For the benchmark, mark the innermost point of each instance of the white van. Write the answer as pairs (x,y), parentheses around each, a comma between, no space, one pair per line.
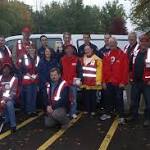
(77,40)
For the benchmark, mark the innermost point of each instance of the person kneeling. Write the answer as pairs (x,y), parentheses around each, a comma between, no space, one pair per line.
(57,92)
(8,88)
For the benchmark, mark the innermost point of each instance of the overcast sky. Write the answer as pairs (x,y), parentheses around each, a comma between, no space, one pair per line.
(126,4)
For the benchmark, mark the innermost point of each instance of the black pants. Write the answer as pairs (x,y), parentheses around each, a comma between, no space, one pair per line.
(89,98)
(113,99)
(137,89)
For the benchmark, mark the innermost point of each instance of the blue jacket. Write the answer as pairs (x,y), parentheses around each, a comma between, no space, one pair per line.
(103,51)
(43,70)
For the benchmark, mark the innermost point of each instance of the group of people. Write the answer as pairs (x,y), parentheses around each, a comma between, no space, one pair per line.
(57,75)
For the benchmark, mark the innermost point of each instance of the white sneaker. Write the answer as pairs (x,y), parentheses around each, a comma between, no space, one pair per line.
(92,113)
(121,121)
(74,116)
(104,117)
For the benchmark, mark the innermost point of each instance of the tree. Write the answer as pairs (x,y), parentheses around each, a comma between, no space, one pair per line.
(109,14)
(14,15)
(70,16)
(141,14)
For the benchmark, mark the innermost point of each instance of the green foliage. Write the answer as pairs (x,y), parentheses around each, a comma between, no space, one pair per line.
(141,14)
(71,16)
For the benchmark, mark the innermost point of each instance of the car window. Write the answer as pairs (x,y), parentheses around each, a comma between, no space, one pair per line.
(11,44)
(51,42)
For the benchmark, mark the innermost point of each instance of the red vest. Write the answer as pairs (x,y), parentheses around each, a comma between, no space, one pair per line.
(30,68)
(22,48)
(69,65)
(89,73)
(146,74)
(56,95)
(5,57)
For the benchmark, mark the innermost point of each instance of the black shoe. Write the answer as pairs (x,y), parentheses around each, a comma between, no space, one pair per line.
(34,114)
(13,129)
(131,119)
(146,123)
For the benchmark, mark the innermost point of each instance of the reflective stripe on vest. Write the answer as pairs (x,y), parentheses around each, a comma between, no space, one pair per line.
(135,52)
(57,97)
(126,48)
(37,61)
(26,60)
(1,55)
(147,77)
(89,69)
(19,44)
(8,50)
(89,72)
(7,92)
(33,76)
(89,75)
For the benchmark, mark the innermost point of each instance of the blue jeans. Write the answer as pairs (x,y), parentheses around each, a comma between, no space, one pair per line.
(73,94)
(137,89)
(29,94)
(9,113)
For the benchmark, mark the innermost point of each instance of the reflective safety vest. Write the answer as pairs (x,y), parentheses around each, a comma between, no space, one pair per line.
(30,68)
(56,94)
(8,53)
(89,73)
(7,86)
(21,48)
(134,52)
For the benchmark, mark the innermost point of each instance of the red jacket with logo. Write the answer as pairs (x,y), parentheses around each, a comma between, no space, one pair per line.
(115,67)
(71,68)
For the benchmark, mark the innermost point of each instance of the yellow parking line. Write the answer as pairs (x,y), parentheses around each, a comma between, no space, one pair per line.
(58,134)
(105,143)
(24,123)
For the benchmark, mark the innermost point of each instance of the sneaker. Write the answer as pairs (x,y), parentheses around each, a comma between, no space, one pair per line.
(121,121)
(146,123)
(85,112)
(74,116)
(93,114)
(104,117)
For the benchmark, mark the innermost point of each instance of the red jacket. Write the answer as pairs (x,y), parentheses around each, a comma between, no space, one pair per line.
(115,67)
(28,68)
(22,48)
(70,66)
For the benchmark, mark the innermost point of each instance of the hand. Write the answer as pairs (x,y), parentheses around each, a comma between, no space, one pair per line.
(3,103)
(98,83)
(49,109)
(121,85)
(104,86)
(148,83)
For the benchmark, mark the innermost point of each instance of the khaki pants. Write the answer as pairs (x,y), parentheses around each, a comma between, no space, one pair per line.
(59,116)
